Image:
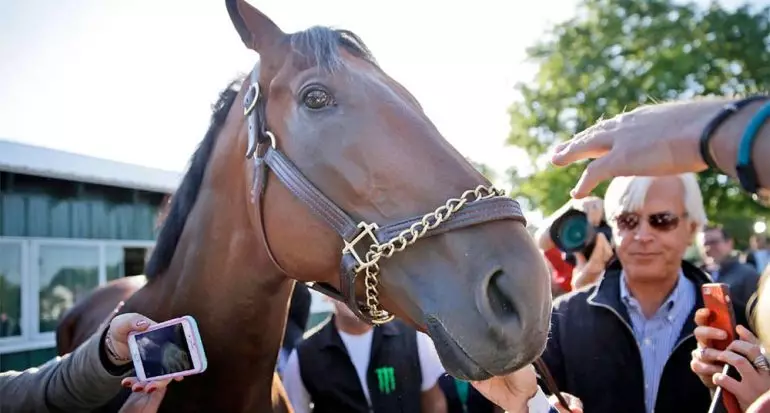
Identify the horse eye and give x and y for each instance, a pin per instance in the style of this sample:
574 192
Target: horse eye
317 99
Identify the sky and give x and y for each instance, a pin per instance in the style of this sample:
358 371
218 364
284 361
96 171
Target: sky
133 80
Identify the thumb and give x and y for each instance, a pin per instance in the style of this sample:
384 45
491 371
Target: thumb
124 324
596 172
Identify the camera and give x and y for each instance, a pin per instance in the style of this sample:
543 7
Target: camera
571 233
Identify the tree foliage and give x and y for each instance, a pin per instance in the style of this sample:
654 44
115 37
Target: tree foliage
618 54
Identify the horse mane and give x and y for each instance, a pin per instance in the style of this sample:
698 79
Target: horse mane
322 44
183 199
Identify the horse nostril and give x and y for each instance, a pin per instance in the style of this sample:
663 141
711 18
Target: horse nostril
499 300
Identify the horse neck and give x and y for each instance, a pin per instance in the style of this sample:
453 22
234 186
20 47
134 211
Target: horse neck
223 277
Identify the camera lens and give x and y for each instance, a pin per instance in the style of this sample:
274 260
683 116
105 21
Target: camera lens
572 232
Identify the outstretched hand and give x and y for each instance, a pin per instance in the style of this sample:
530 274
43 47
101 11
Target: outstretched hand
651 140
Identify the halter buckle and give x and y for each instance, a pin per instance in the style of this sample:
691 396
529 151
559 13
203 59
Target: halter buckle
250 101
367 229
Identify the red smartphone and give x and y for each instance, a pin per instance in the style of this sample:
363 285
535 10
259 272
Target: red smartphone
716 297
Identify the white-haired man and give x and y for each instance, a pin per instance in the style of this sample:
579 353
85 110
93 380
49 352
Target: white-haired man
625 343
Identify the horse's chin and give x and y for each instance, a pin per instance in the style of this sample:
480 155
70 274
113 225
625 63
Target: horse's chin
458 363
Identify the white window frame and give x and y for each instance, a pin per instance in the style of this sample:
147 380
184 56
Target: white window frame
31 338
11 342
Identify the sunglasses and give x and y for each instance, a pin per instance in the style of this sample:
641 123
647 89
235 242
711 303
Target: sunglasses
662 221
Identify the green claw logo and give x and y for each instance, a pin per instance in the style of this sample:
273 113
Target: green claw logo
386 379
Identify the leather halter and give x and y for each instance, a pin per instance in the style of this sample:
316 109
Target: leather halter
493 207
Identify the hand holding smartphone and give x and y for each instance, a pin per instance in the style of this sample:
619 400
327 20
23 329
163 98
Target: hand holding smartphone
167 350
716 298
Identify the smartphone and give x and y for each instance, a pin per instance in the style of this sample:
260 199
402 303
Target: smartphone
716 297
170 349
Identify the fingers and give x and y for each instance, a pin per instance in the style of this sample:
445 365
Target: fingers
728 383
742 364
146 387
124 324
746 335
702 316
603 252
593 142
705 334
595 173
746 349
703 364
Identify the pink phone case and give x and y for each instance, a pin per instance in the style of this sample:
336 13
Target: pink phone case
192 335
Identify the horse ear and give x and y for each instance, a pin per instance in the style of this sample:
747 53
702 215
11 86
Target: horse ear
257 31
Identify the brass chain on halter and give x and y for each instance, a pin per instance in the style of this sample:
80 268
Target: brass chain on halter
405 238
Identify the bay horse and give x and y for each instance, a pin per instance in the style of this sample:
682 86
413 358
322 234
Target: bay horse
348 186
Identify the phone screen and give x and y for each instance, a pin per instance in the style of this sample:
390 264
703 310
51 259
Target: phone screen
164 351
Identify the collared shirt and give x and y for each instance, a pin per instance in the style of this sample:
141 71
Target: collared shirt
658 335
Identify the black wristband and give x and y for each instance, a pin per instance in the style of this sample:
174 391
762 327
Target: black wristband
708 131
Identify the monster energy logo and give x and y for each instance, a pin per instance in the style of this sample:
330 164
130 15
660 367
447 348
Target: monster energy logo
386 379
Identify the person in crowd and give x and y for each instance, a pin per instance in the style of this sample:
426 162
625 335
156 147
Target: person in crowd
678 137
661 139
586 270
346 365
724 265
296 323
85 379
758 255
644 305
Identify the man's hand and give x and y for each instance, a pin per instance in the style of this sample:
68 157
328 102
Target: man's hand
587 272
651 140
511 392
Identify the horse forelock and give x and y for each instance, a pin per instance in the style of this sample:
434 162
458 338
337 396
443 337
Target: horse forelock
322 46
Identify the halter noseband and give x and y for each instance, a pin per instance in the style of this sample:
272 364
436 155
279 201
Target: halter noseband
365 243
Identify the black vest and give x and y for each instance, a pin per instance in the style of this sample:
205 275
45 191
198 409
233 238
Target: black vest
394 376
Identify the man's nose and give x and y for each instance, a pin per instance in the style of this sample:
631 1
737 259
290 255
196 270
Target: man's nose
644 232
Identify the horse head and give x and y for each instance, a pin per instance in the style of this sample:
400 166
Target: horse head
357 193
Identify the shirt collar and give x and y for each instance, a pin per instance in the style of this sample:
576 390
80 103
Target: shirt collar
669 306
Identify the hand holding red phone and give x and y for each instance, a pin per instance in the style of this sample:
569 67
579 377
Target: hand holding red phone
704 361
708 362
745 355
